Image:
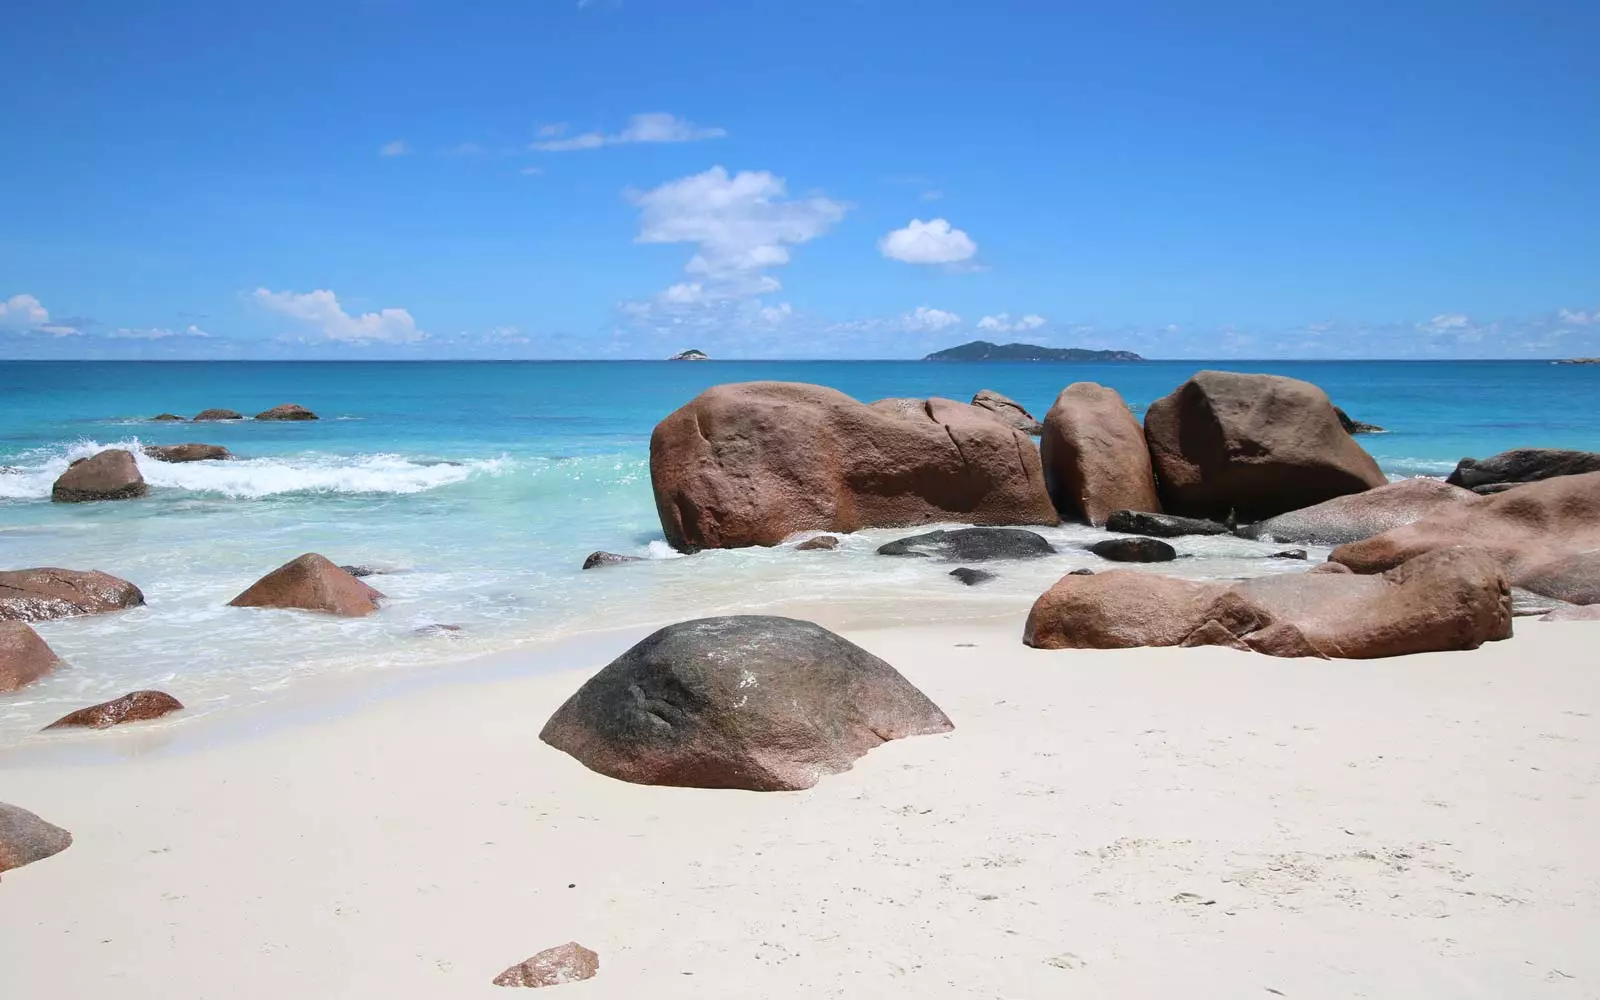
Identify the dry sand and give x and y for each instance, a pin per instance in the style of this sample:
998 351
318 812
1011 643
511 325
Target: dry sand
1153 823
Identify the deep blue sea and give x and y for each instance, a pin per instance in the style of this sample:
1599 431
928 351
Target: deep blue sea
482 486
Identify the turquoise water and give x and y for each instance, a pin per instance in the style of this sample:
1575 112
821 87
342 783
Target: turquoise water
484 485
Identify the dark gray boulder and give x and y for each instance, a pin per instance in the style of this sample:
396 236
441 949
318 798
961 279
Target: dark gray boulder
1144 550
25 838
1138 522
972 577
608 559
1522 465
748 701
1290 554
1355 426
971 545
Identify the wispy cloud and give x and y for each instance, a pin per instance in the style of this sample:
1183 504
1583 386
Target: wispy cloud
925 318
321 309
655 126
396 148
1003 323
156 333
931 242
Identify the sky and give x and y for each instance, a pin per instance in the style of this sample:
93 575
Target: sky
371 179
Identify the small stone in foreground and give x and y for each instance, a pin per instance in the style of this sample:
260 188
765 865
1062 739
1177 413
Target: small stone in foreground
567 963
608 559
137 706
1134 550
311 583
821 543
972 577
288 411
24 656
25 838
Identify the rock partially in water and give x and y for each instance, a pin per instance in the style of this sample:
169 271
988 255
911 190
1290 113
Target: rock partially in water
1290 554
821 543
187 452
1356 426
166 417
749 701
219 415
972 577
1138 522
566 963
287 411
112 474
24 656
608 559
971 545
311 583
25 838
137 706
437 629
36 595
1140 550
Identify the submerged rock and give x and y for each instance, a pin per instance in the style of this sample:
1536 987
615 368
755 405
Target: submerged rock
287 411
24 656
821 543
1522 465
112 474
1258 445
1009 411
971 545
1137 522
36 595
1094 456
749 701
608 559
219 415
566 963
137 706
25 838
1452 599
1290 554
311 583
166 417
1360 515
1141 550
186 452
757 462
972 577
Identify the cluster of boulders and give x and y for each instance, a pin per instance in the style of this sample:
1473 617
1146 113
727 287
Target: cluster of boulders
286 411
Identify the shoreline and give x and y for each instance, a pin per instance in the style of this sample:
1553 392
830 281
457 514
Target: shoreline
1199 819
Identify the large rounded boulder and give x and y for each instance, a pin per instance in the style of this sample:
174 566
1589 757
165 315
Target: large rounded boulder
753 463
25 838
46 592
1361 515
1446 600
1094 456
1545 536
311 583
112 474
1254 445
24 656
749 701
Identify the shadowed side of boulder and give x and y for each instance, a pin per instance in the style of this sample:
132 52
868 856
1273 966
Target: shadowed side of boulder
1094 456
112 474
46 592
751 701
137 706
1522 465
311 583
1136 522
24 656
25 838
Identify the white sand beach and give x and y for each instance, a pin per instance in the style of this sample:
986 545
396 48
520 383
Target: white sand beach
1129 824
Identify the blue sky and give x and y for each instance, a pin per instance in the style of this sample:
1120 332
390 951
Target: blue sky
878 178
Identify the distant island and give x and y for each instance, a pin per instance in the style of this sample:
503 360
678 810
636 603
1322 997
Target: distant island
982 350
1578 361
690 355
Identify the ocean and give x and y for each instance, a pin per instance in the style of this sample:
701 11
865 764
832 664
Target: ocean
479 488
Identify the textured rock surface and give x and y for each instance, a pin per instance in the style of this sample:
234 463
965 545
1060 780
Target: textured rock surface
1141 550
311 583
1094 456
25 838
36 595
756 462
1450 599
1522 465
166 417
1257 445
219 415
1135 522
751 701
112 474
1360 515
608 559
287 411
137 706
1545 536
971 545
24 656
1009 411
186 452
821 543
972 577
566 963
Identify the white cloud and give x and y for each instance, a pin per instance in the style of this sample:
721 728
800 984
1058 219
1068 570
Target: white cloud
655 126
1003 323
1574 317
396 148
932 242
321 308
926 318
1446 321
776 315
741 225
156 333
23 311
